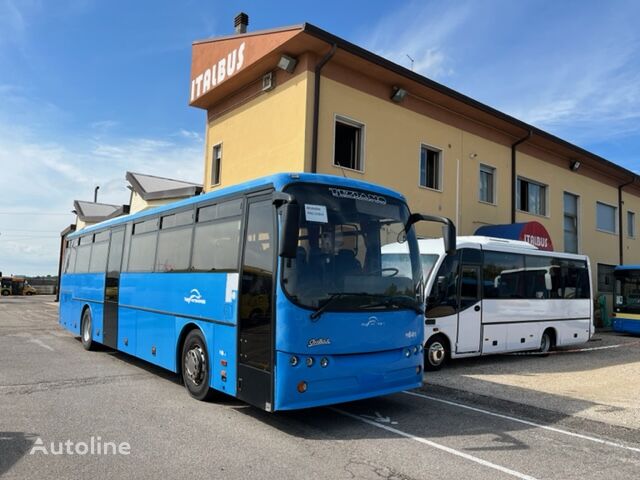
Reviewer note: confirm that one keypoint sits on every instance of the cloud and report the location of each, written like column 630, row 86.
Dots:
column 421, row 31
column 42, row 178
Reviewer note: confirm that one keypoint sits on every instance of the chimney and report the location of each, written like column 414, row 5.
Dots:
column 240, row 22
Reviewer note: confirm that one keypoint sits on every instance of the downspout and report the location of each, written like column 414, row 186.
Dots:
column 513, row 174
column 316, row 106
column 621, row 218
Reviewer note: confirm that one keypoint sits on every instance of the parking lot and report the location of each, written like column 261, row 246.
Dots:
column 572, row 414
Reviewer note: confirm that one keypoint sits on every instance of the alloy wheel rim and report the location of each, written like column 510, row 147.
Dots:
column 436, row 353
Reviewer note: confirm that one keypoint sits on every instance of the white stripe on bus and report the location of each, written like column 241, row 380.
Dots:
column 526, row 422
column 444, row 448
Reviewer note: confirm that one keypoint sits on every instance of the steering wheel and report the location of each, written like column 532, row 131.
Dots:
column 395, row 271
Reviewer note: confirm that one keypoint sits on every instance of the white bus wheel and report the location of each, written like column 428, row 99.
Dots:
column 435, row 353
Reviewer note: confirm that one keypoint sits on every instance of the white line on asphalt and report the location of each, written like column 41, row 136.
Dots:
column 41, row 344
column 526, row 422
column 450, row 450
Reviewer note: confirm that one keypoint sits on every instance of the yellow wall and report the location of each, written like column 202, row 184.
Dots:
column 272, row 133
column 393, row 136
column 263, row 136
column 138, row 203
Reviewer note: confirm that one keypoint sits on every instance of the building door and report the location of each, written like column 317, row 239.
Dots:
column 255, row 316
column 570, row 223
column 469, row 311
column 112, row 289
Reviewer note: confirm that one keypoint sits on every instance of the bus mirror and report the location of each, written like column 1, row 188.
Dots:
column 449, row 237
column 289, row 229
column 448, row 229
column 547, row 282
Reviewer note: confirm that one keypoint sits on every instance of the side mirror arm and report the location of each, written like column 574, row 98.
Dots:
column 448, row 228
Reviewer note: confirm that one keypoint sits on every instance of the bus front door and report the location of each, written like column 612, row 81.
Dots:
column 470, row 311
column 255, row 306
column 112, row 289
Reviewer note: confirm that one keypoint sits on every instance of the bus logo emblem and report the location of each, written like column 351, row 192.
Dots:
column 372, row 322
column 314, row 342
column 195, row 297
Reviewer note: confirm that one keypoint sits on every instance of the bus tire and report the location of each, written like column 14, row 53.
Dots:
column 5, row 293
column 546, row 343
column 86, row 329
column 436, row 353
column 195, row 365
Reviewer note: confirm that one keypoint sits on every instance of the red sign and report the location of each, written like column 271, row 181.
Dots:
column 535, row 234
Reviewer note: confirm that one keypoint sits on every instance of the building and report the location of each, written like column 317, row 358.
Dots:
column 301, row 99
column 88, row 213
column 150, row 191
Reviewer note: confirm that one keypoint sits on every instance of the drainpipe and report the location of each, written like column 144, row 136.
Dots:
column 316, row 106
column 514, row 177
column 621, row 218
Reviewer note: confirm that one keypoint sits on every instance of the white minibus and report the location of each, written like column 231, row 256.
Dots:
column 495, row 295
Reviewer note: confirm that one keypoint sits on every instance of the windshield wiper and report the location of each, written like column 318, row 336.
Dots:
column 333, row 297
column 399, row 301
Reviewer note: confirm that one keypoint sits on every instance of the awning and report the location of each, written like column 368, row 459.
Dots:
column 530, row 232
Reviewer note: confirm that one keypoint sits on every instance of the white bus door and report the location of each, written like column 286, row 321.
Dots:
column 469, row 311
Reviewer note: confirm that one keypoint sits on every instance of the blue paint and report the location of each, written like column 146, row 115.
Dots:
column 625, row 325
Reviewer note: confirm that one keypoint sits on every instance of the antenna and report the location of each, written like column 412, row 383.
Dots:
column 412, row 60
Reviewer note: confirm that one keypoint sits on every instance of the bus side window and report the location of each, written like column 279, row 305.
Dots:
column 443, row 299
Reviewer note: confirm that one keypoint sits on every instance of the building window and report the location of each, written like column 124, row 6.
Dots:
column 570, row 223
column 606, row 217
column 348, row 146
column 487, row 184
column 605, row 278
column 216, row 162
column 532, row 197
column 430, row 167
column 631, row 224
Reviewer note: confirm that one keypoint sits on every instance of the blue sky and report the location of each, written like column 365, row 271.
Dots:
column 90, row 89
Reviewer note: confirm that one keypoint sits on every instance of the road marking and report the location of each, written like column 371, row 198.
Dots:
column 526, row 422
column 380, row 419
column 40, row 343
column 444, row 448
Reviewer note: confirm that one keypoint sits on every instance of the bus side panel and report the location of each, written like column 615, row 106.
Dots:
column 156, row 339
column 224, row 352
column 78, row 290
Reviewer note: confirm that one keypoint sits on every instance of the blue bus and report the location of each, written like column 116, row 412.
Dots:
column 272, row 291
column 626, row 299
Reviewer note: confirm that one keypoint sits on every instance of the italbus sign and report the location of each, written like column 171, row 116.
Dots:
column 218, row 72
column 530, row 232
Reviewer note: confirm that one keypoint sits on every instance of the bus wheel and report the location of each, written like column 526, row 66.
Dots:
column 195, row 365
column 85, row 330
column 5, row 293
column 545, row 343
column 435, row 353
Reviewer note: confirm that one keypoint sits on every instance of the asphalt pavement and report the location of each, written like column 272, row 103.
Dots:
column 53, row 391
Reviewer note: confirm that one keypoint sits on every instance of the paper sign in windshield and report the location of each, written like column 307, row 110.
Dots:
column 316, row 213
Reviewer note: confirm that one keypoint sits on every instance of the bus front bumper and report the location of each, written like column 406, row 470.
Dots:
column 345, row 377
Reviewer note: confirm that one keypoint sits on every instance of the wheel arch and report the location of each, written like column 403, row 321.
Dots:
column 445, row 338
column 186, row 329
column 553, row 335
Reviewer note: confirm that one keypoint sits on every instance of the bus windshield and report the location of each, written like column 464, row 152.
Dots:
column 339, row 264
column 627, row 288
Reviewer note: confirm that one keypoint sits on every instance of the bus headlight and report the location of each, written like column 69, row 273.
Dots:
column 293, row 361
column 415, row 350
column 324, row 362
column 407, row 352
column 309, row 361
column 302, row 387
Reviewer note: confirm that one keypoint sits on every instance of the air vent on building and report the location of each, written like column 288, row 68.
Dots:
column 268, row 82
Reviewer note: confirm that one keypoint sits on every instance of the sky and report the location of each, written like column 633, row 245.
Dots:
column 92, row 88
